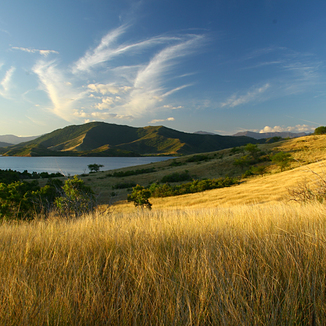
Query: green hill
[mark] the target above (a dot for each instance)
(104, 139)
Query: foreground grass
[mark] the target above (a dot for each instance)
(233, 266)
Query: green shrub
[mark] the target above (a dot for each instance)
(124, 185)
(139, 197)
(76, 198)
(177, 177)
(320, 130)
(282, 159)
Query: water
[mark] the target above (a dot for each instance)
(71, 165)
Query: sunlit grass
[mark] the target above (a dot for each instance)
(246, 265)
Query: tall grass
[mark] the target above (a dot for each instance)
(246, 265)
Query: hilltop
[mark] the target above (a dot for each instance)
(104, 139)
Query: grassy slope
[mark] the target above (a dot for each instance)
(270, 188)
(192, 265)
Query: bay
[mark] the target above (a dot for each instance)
(72, 165)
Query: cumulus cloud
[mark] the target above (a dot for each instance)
(29, 50)
(250, 96)
(109, 88)
(161, 120)
(297, 128)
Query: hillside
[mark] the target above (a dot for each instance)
(4, 144)
(272, 186)
(104, 139)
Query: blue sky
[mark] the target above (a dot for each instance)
(215, 65)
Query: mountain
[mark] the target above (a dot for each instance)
(258, 135)
(104, 139)
(12, 139)
(3, 144)
(200, 132)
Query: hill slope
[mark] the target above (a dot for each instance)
(104, 139)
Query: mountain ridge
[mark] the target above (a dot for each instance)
(259, 135)
(105, 139)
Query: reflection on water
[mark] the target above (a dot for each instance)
(71, 165)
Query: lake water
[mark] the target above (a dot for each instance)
(71, 165)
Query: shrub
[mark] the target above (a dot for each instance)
(282, 159)
(198, 158)
(320, 130)
(139, 197)
(76, 198)
(177, 177)
(124, 185)
(94, 167)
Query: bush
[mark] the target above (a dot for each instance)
(314, 191)
(124, 185)
(198, 158)
(320, 130)
(76, 198)
(167, 190)
(282, 159)
(128, 173)
(177, 177)
(139, 197)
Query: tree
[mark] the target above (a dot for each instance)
(94, 167)
(253, 150)
(140, 197)
(76, 198)
(242, 162)
(320, 130)
(282, 159)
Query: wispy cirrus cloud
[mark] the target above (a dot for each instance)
(6, 83)
(59, 90)
(124, 91)
(252, 95)
(109, 49)
(29, 50)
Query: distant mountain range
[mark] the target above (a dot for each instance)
(258, 135)
(7, 140)
(104, 139)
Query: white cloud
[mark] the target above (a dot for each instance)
(53, 82)
(119, 91)
(6, 82)
(108, 88)
(251, 95)
(148, 88)
(297, 128)
(161, 120)
(29, 50)
(107, 49)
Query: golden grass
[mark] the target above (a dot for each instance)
(272, 188)
(245, 265)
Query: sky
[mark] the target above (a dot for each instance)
(220, 66)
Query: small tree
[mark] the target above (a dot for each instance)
(140, 197)
(253, 150)
(242, 162)
(282, 159)
(320, 130)
(94, 167)
(76, 199)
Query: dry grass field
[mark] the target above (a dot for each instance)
(244, 255)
